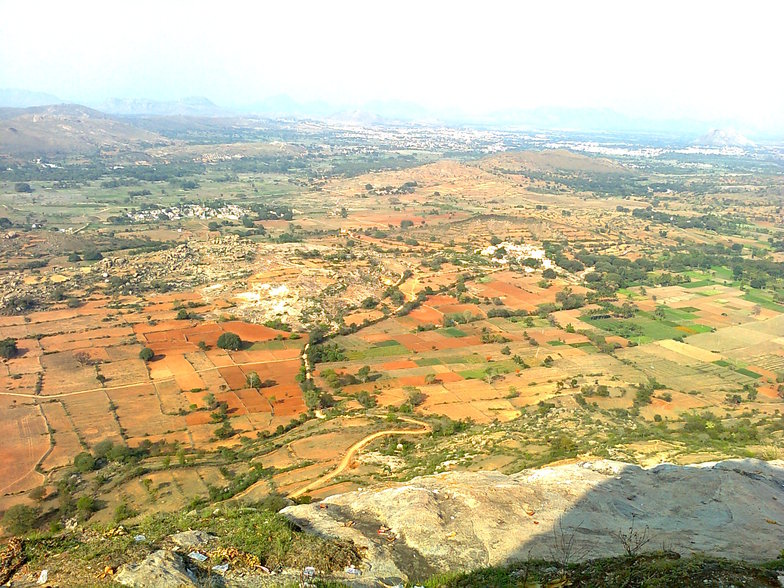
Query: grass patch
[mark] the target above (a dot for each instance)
(698, 284)
(763, 299)
(653, 570)
(462, 359)
(378, 351)
(453, 332)
(426, 361)
(555, 343)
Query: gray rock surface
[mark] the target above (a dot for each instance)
(162, 569)
(465, 520)
(192, 539)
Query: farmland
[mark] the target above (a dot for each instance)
(500, 300)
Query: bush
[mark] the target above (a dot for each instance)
(86, 506)
(19, 519)
(122, 511)
(92, 255)
(230, 341)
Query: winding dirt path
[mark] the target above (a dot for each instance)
(352, 451)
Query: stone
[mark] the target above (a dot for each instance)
(192, 539)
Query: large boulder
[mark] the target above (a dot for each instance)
(162, 569)
(464, 520)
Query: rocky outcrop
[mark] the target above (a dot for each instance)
(161, 569)
(465, 520)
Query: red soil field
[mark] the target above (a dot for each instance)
(250, 332)
(234, 377)
(92, 418)
(66, 440)
(398, 365)
(425, 314)
(461, 308)
(23, 441)
(413, 342)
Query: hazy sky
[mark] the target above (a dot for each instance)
(640, 57)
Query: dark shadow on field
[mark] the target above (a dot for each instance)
(732, 509)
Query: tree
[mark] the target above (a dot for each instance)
(8, 348)
(366, 400)
(146, 354)
(93, 255)
(253, 380)
(416, 397)
(74, 257)
(102, 448)
(230, 341)
(549, 274)
(363, 373)
(182, 315)
(23, 188)
(225, 431)
(84, 462)
(19, 519)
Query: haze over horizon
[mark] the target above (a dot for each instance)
(655, 61)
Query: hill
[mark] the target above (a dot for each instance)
(552, 160)
(68, 129)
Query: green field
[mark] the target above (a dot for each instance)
(764, 299)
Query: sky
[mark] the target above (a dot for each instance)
(642, 58)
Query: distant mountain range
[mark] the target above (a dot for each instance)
(192, 106)
(121, 120)
(13, 98)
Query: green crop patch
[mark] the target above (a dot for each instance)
(748, 373)
(426, 361)
(698, 284)
(453, 332)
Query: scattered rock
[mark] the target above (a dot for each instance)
(192, 539)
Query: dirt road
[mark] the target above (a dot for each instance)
(352, 451)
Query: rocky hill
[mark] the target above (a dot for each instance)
(601, 523)
(466, 520)
(68, 129)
